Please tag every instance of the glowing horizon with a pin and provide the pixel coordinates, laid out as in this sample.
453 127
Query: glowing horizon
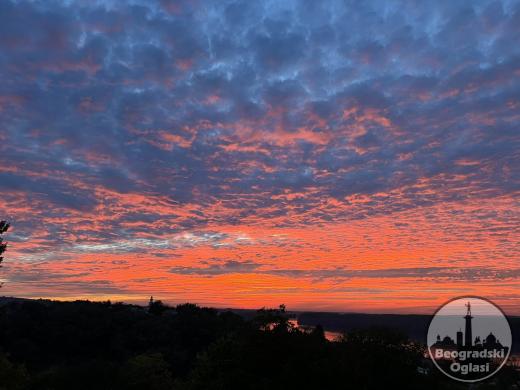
236 154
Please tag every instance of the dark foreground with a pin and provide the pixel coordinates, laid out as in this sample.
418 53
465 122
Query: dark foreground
86 345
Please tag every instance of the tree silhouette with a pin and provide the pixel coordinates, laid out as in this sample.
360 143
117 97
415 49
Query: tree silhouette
3 228
86 345
268 319
156 307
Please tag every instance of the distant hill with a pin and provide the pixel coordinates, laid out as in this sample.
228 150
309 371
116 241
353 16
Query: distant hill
415 326
6 300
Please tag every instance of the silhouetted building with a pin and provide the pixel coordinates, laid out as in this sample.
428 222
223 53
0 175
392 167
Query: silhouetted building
446 344
460 337
492 342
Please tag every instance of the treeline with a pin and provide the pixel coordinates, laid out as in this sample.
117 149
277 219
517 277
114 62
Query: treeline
78 345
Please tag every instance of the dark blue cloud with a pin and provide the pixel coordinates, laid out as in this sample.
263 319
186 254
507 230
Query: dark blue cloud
199 102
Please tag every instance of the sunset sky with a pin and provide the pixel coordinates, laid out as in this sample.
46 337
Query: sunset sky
328 155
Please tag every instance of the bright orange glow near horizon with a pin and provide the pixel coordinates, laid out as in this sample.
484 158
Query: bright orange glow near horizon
409 261
248 156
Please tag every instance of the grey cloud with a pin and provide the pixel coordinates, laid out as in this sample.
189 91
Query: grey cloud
227 267
451 273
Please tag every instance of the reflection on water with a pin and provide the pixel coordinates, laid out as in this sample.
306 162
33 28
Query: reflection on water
514 360
329 335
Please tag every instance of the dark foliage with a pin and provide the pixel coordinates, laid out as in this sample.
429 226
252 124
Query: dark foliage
85 345
4 226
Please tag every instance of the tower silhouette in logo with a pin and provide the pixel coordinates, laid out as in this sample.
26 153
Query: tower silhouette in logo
468 334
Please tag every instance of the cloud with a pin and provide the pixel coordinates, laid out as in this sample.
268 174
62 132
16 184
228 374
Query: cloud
228 267
124 125
437 273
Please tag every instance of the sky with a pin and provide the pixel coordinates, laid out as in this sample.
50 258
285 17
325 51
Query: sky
327 155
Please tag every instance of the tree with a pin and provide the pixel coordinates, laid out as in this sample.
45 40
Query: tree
156 307
12 377
272 319
3 228
318 332
146 371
